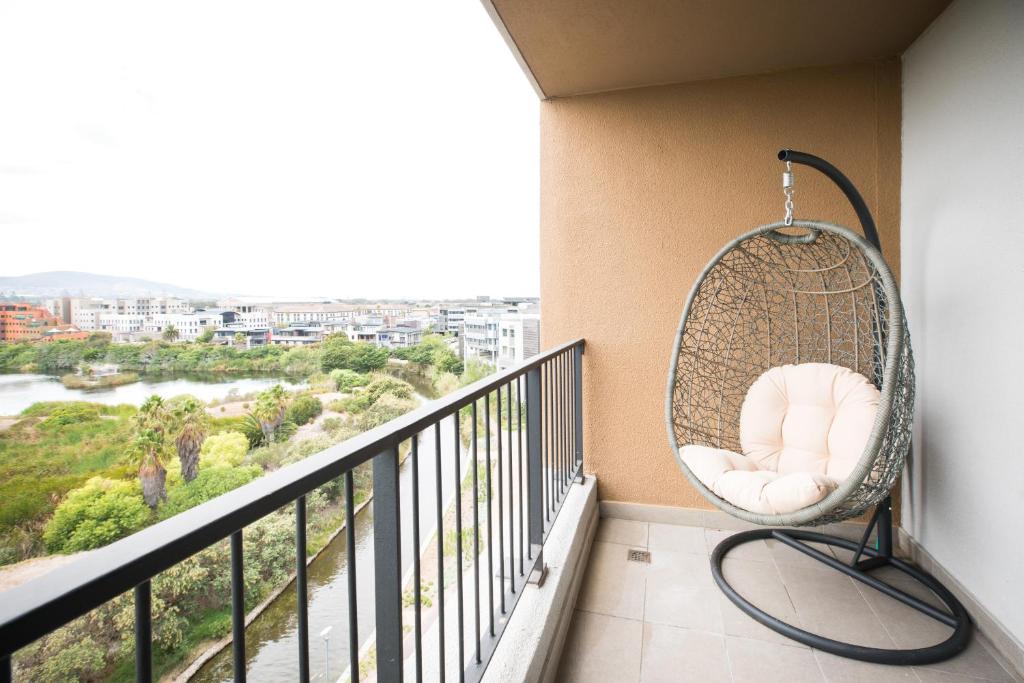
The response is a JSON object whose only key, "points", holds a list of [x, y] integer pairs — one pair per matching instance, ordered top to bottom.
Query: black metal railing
{"points": [[532, 452]]}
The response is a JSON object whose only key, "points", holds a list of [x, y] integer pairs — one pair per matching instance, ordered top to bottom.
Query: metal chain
{"points": [[787, 189]]}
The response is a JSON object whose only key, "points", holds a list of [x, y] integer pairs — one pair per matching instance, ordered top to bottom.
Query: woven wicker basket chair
{"points": [[799, 292], [768, 299]]}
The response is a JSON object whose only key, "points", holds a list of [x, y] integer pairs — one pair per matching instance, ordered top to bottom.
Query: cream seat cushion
{"points": [[803, 429]]}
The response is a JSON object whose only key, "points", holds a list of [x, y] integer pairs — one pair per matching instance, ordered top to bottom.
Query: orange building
{"points": [[24, 322]]}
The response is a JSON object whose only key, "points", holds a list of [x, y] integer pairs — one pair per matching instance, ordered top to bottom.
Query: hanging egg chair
{"points": [[790, 400]]}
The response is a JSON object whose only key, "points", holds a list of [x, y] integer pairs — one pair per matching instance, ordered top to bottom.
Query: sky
{"points": [[313, 148]]}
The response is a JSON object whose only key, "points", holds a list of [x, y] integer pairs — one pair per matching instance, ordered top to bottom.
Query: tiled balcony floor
{"points": [[667, 621]]}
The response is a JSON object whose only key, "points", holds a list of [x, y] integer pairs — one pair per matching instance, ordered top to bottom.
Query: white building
{"points": [[312, 313], [188, 325], [480, 333], [398, 337], [518, 338]]}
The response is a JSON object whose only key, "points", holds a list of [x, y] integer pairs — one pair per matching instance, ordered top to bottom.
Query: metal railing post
{"points": [[577, 375], [535, 473], [387, 569]]}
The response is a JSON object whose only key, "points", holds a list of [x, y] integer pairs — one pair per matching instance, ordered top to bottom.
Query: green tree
{"points": [[170, 333], [205, 337], [239, 339], [337, 351], [270, 410], [191, 424], [148, 449], [99, 512]]}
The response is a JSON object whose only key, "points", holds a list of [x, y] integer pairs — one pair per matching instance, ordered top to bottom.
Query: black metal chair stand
{"points": [[955, 616]]}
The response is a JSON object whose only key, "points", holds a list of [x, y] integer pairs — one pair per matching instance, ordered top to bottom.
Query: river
{"points": [[19, 391], [271, 640]]}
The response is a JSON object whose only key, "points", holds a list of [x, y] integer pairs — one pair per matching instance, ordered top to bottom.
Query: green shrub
{"points": [[337, 351], [347, 380], [388, 385], [304, 409], [385, 409], [70, 413], [332, 424], [285, 431], [226, 449], [207, 485], [98, 513]]}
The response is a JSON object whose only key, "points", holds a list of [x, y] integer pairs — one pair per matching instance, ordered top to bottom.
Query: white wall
{"points": [[963, 283]]}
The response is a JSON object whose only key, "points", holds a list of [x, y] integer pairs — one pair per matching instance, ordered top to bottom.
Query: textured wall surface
{"points": [[640, 188], [963, 208]]}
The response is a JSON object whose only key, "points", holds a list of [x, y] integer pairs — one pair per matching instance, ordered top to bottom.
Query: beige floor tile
{"points": [[624, 531], [675, 538], [754, 550], [783, 554], [759, 583], [613, 585], [681, 592], [828, 604], [737, 623], [907, 627], [601, 648], [678, 654], [976, 661], [760, 662], [843, 670]]}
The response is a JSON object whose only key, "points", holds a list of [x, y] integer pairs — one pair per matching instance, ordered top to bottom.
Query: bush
{"points": [[338, 352], [347, 380], [388, 385], [304, 409], [385, 409], [70, 413], [332, 424], [226, 449], [207, 485], [98, 513]]}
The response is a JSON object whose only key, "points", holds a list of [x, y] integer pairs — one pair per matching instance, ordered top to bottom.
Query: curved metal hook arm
{"points": [[848, 188]]}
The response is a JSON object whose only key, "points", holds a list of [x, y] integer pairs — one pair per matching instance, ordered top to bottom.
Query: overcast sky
{"points": [[375, 149]]}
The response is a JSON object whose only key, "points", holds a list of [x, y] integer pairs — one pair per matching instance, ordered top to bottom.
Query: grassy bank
{"points": [[73, 381]]}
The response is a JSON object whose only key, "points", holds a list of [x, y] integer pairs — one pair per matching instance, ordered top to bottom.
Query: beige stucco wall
{"points": [[640, 188]]}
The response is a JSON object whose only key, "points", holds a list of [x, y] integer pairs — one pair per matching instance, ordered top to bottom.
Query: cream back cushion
{"points": [[811, 418]]}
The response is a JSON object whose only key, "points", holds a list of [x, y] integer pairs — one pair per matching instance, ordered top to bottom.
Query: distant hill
{"points": [[70, 283]]}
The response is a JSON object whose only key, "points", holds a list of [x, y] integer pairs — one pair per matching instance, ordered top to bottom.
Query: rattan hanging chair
{"points": [[812, 292], [804, 294]]}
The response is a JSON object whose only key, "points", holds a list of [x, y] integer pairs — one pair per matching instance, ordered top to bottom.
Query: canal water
{"points": [[19, 391], [271, 640]]}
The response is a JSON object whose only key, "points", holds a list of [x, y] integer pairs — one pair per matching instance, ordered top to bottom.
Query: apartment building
{"points": [[312, 313], [24, 322], [188, 325], [398, 337], [518, 338]]}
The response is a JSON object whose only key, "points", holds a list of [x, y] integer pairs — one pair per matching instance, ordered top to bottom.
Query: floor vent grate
{"points": [[634, 555]]}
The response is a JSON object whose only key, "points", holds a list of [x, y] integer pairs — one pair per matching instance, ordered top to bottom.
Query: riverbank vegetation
{"points": [[74, 381], [76, 476]]}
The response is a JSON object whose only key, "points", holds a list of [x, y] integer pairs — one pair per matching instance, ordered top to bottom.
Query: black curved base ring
{"points": [[956, 618]]}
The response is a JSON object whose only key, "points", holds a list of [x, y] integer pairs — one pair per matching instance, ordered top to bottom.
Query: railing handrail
{"points": [[43, 604]]}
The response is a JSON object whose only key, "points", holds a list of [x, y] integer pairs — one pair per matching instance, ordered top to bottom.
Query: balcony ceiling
{"points": [[572, 47]]}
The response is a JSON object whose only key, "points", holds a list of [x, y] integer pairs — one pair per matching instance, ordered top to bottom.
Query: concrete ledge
{"points": [[531, 646]]}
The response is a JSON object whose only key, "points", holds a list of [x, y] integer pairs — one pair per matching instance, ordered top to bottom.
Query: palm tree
{"points": [[170, 333], [270, 409], [191, 423], [150, 429], [152, 473]]}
